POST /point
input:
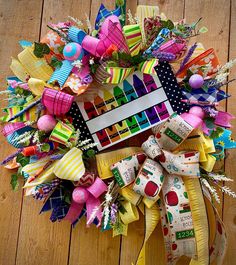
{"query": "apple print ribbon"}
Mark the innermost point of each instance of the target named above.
(88, 196)
(176, 220)
(164, 175)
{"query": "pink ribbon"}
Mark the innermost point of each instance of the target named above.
(12, 127)
(110, 33)
(89, 196)
(15, 84)
(223, 119)
(56, 102)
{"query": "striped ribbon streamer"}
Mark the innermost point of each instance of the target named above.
(119, 74)
(29, 115)
(13, 137)
(144, 11)
(148, 67)
(71, 166)
(61, 133)
(133, 38)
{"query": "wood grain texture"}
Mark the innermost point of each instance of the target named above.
(229, 210)
(16, 23)
(26, 237)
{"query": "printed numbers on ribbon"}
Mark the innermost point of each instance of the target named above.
(184, 234)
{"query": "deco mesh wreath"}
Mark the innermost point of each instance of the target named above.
(81, 90)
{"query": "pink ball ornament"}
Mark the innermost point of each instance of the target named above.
(46, 123)
(194, 117)
(80, 195)
(196, 81)
(197, 111)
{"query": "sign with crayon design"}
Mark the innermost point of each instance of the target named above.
(135, 105)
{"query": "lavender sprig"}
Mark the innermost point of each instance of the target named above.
(113, 213)
(187, 57)
(56, 157)
(163, 56)
(10, 157)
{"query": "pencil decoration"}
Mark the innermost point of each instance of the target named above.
(25, 110)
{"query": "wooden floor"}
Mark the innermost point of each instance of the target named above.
(29, 239)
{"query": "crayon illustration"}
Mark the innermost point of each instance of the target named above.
(129, 91)
(109, 100)
(139, 86)
(162, 111)
(103, 138)
(121, 100)
(102, 108)
(123, 129)
(90, 110)
(119, 96)
(92, 113)
(113, 133)
(133, 125)
(131, 95)
(152, 115)
(100, 105)
(142, 120)
(149, 82)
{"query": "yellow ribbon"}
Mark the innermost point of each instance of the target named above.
(37, 86)
(197, 141)
(152, 217)
(29, 65)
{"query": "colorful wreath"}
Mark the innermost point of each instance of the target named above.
(81, 90)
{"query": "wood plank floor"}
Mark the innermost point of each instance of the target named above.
(29, 239)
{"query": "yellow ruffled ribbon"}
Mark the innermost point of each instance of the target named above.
(28, 64)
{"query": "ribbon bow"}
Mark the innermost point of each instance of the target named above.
(165, 175)
(179, 205)
(90, 197)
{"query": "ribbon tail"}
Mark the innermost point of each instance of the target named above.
(152, 217)
(93, 210)
(200, 221)
(74, 212)
(218, 236)
(148, 67)
(62, 73)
